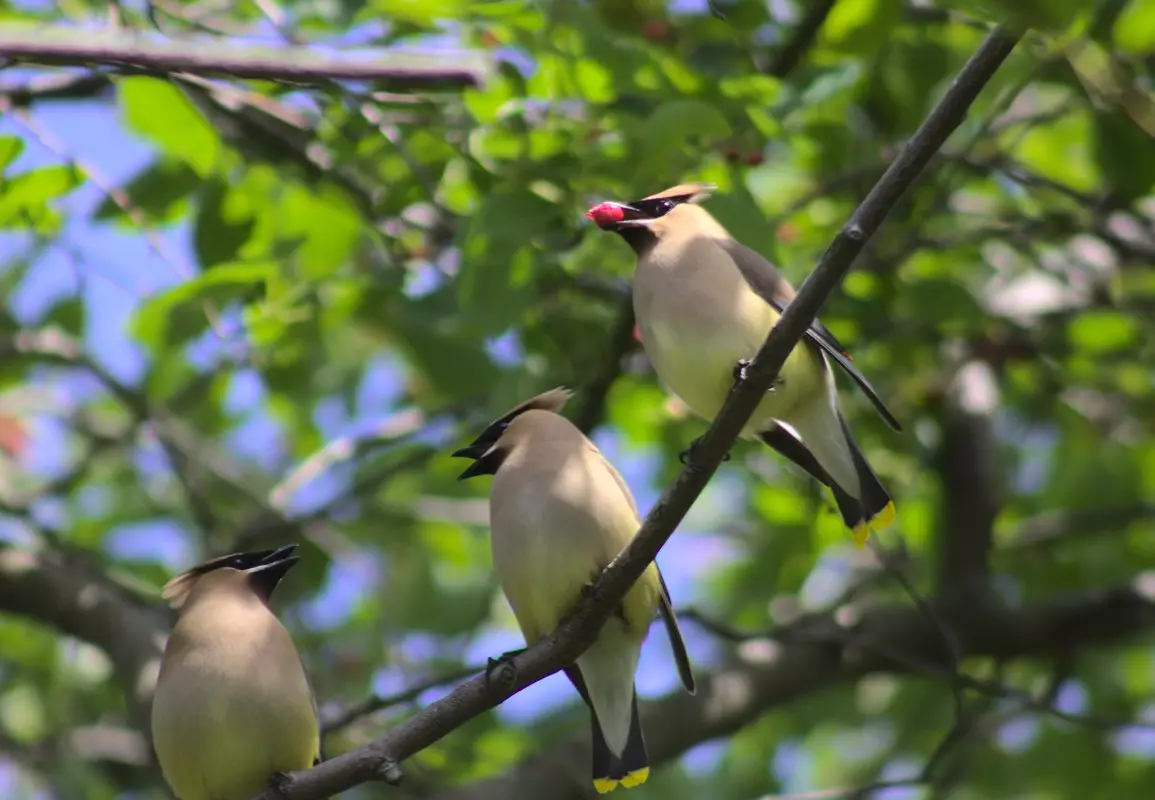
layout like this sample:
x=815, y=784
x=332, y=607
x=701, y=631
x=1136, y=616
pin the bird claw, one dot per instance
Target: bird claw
x=741, y=370
x=390, y=772
x=684, y=456
x=502, y=668
x=280, y=782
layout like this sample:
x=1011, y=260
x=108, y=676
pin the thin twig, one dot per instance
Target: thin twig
x=789, y=54
x=375, y=703
x=118, y=196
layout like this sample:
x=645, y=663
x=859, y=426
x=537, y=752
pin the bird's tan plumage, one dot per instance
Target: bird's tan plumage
x=554, y=479
x=233, y=704
x=559, y=513
x=705, y=302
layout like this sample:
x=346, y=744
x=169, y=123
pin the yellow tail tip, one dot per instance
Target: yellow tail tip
x=604, y=785
x=636, y=778
x=860, y=534
x=884, y=518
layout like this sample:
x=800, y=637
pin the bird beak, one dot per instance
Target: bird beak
x=478, y=467
x=475, y=450
x=275, y=556
x=273, y=567
x=610, y=214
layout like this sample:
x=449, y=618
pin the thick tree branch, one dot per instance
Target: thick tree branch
x=968, y=466
x=72, y=597
x=408, y=71
x=379, y=759
x=821, y=652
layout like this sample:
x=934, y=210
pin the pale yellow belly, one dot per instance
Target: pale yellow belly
x=221, y=745
x=698, y=366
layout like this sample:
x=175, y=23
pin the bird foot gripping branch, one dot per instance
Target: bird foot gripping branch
x=684, y=456
x=502, y=669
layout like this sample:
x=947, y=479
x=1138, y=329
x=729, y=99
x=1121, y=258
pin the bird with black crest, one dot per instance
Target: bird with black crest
x=559, y=513
x=705, y=304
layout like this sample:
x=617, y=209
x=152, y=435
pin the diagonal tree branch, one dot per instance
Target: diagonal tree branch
x=379, y=759
x=402, y=71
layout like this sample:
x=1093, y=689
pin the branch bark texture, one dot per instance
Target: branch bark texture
x=402, y=71
x=74, y=599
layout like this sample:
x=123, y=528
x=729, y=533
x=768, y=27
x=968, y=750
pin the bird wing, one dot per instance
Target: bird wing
x=665, y=603
x=769, y=284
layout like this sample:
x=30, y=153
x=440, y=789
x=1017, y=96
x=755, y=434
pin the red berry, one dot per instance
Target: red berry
x=655, y=30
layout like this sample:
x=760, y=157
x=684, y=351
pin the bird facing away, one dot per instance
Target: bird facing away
x=233, y=706
x=558, y=514
x=705, y=304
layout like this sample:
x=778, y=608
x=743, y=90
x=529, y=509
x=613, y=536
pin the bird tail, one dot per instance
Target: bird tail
x=874, y=509
x=629, y=769
x=632, y=767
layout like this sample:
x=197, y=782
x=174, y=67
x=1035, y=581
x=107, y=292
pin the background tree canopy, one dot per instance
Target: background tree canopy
x=241, y=311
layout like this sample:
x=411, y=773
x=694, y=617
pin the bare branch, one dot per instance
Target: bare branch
x=970, y=479
x=784, y=60
x=379, y=759
x=71, y=596
x=400, y=71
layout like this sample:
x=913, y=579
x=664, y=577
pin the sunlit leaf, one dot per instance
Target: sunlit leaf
x=178, y=314
x=159, y=111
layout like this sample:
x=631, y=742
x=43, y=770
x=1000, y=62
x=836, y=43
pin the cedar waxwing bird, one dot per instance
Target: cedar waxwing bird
x=558, y=514
x=233, y=707
x=705, y=304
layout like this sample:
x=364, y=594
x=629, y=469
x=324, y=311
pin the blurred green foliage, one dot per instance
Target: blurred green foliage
x=414, y=231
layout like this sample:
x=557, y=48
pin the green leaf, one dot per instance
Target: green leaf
x=68, y=314
x=327, y=225
x=10, y=149
x=24, y=199
x=1102, y=331
x=1125, y=154
x=594, y=82
x=680, y=122
x=860, y=26
x=157, y=192
x=1135, y=28
x=163, y=114
x=420, y=13
x=1050, y=15
x=224, y=223
x=453, y=362
x=22, y=714
x=175, y=316
x=495, y=242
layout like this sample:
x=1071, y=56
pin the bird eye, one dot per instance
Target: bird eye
x=666, y=205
